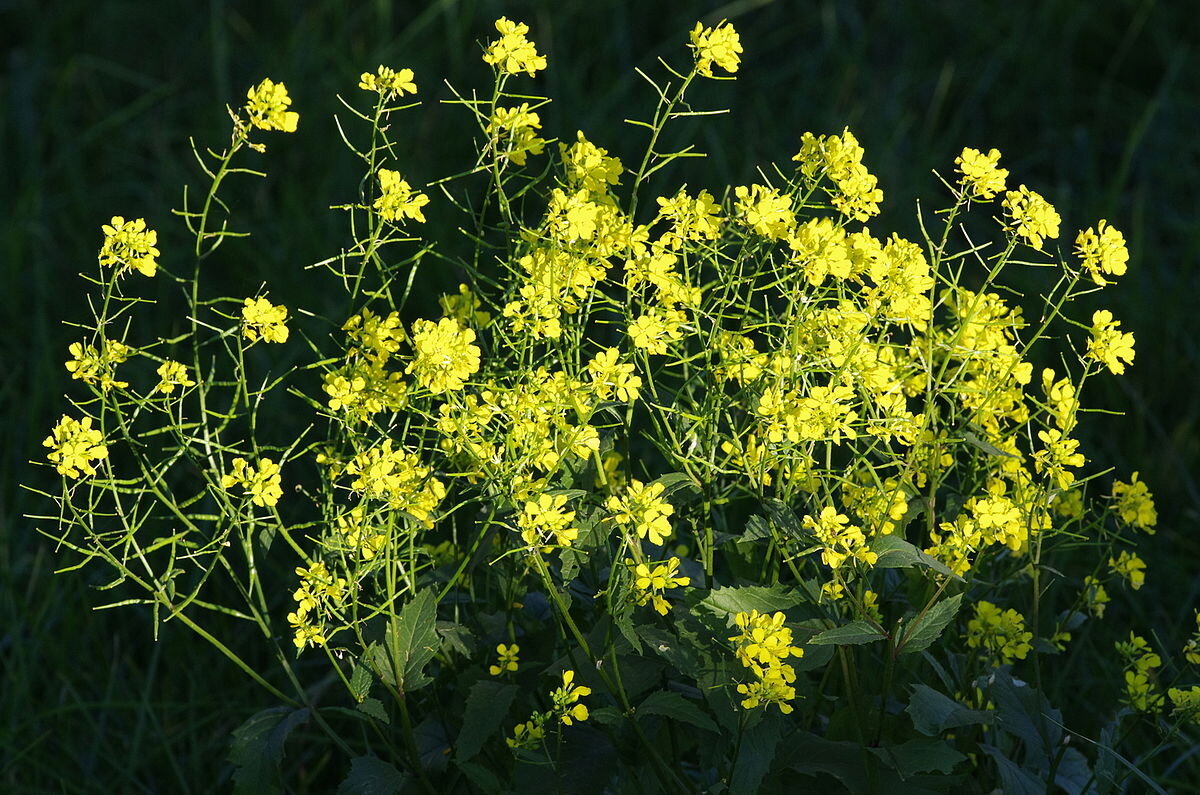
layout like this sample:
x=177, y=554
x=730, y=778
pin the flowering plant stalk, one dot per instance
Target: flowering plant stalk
x=704, y=488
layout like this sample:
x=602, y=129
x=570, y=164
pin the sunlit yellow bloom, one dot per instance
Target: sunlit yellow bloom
x=267, y=105
x=74, y=445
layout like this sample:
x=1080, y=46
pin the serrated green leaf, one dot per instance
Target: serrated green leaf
x=412, y=640
x=370, y=775
x=374, y=708
x=360, y=682
x=683, y=656
x=672, y=705
x=854, y=633
x=929, y=628
x=754, y=756
x=785, y=519
x=481, y=777
x=487, y=706
x=1014, y=779
x=756, y=529
x=609, y=716
x=893, y=552
x=456, y=637
x=256, y=749
x=933, y=713
x=724, y=601
x=920, y=755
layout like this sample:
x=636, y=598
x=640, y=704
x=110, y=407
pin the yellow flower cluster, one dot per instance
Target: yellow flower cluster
x=1095, y=596
x=765, y=211
x=982, y=178
x=465, y=308
x=1129, y=567
x=1031, y=216
x=692, y=219
x=98, y=368
x=1109, y=345
x=131, y=245
x=644, y=510
x=74, y=445
x=612, y=378
x=652, y=581
x=358, y=534
x=1140, y=662
x=823, y=413
x=397, y=200
x=445, y=355
x=763, y=645
x=363, y=386
x=261, y=318
x=388, y=83
x=513, y=133
x=1102, y=252
x=589, y=167
x=1058, y=454
x=1135, y=504
x=267, y=107
x=856, y=193
x=566, y=700
x=839, y=539
x=512, y=53
x=319, y=594
x=1185, y=704
x=172, y=374
x=720, y=45
x=998, y=633
x=545, y=519
x=397, y=477
x=1191, y=650
x=262, y=483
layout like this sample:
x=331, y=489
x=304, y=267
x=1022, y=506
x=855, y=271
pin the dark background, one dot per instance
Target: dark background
x=1094, y=105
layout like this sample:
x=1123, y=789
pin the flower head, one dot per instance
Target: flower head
x=720, y=45
x=397, y=199
x=1032, y=217
x=1102, y=251
x=261, y=318
x=388, y=83
x=1001, y=633
x=982, y=178
x=508, y=660
x=512, y=53
x=1135, y=504
x=131, y=245
x=74, y=445
x=566, y=700
x=446, y=356
x=267, y=106
x=262, y=483
x=172, y=374
x=1109, y=345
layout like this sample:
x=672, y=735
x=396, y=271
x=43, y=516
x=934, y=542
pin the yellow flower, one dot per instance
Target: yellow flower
x=544, y=518
x=1000, y=633
x=97, y=368
x=1103, y=251
x=446, y=356
x=512, y=53
x=643, y=509
x=610, y=377
x=765, y=210
x=74, y=445
x=1135, y=504
x=267, y=105
x=982, y=178
x=397, y=199
x=1129, y=567
x=1033, y=218
x=566, y=700
x=508, y=661
x=1109, y=345
x=514, y=132
x=388, y=83
x=720, y=45
x=261, y=318
x=131, y=245
x=171, y=375
x=262, y=483
x=652, y=583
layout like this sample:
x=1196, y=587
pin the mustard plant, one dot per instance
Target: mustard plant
x=692, y=488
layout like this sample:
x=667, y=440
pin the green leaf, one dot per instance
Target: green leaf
x=854, y=633
x=370, y=775
x=978, y=442
x=755, y=755
x=256, y=750
x=785, y=519
x=360, y=682
x=672, y=705
x=756, y=529
x=481, y=777
x=893, y=552
x=929, y=627
x=684, y=657
x=675, y=482
x=920, y=755
x=723, y=601
x=933, y=713
x=609, y=716
x=412, y=640
x=374, y=708
x=1014, y=779
x=456, y=637
x=487, y=707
